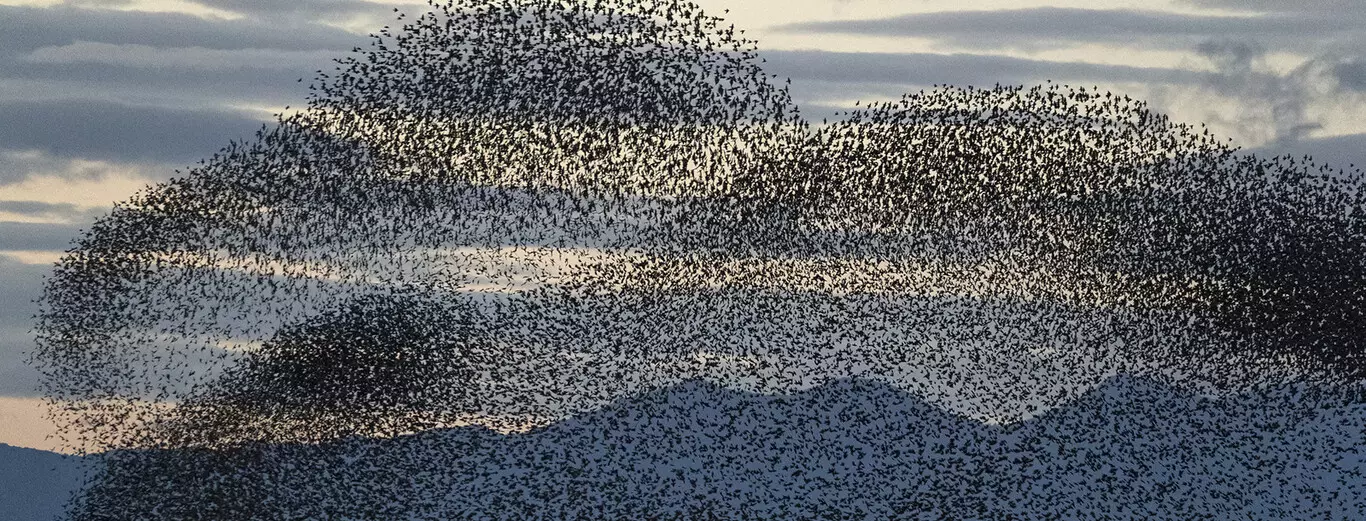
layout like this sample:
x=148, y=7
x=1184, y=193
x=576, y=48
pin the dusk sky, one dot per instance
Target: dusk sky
x=99, y=98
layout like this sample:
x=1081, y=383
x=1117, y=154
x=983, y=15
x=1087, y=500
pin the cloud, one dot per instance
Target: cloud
x=22, y=81
x=91, y=186
x=24, y=29
x=63, y=212
x=959, y=69
x=313, y=9
x=165, y=59
x=1284, y=96
x=1337, y=7
x=17, y=166
x=1276, y=104
x=33, y=175
x=1235, y=55
x=111, y=131
x=101, y=4
x=36, y=236
x=146, y=56
x=1276, y=74
x=1053, y=25
x=1336, y=151
x=1352, y=74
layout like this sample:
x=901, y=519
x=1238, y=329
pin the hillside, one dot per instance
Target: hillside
x=35, y=484
x=850, y=449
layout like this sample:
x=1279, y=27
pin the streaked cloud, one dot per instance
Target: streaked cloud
x=39, y=211
x=36, y=236
x=42, y=257
x=24, y=29
x=86, y=184
x=1340, y=151
x=313, y=9
x=1265, y=73
x=959, y=69
x=1337, y=7
x=166, y=87
x=100, y=130
x=146, y=56
x=1352, y=74
x=1052, y=26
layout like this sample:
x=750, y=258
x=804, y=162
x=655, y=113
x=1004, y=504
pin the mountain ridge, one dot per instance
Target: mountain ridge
x=35, y=484
x=1130, y=449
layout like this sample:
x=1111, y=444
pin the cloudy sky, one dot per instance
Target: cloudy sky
x=100, y=97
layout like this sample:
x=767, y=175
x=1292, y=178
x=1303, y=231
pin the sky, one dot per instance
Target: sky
x=99, y=98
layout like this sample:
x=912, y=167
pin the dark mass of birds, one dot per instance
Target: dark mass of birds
x=554, y=259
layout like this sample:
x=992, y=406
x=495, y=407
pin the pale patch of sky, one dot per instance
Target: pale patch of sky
x=24, y=423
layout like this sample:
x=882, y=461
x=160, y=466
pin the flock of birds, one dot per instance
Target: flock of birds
x=494, y=238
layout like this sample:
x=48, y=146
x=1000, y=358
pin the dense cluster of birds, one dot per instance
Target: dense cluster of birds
x=458, y=284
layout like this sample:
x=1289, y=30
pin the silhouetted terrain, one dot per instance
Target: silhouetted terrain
x=851, y=449
x=35, y=484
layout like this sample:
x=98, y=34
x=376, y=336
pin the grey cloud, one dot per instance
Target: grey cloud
x=1229, y=54
x=1335, y=151
x=37, y=208
x=23, y=29
x=1351, y=75
x=16, y=166
x=1029, y=27
x=37, y=236
x=191, y=58
x=161, y=86
x=1278, y=103
x=19, y=165
x=111, y=131
x=141, y=78
x=161, y=58
x=1283, y=95
x=1337, y=7
x=50, y=211
x=323, y=9
x=959, y=69
x=100, y=4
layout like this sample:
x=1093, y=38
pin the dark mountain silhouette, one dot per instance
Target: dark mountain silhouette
x=1133, y=448
x=36, y=484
